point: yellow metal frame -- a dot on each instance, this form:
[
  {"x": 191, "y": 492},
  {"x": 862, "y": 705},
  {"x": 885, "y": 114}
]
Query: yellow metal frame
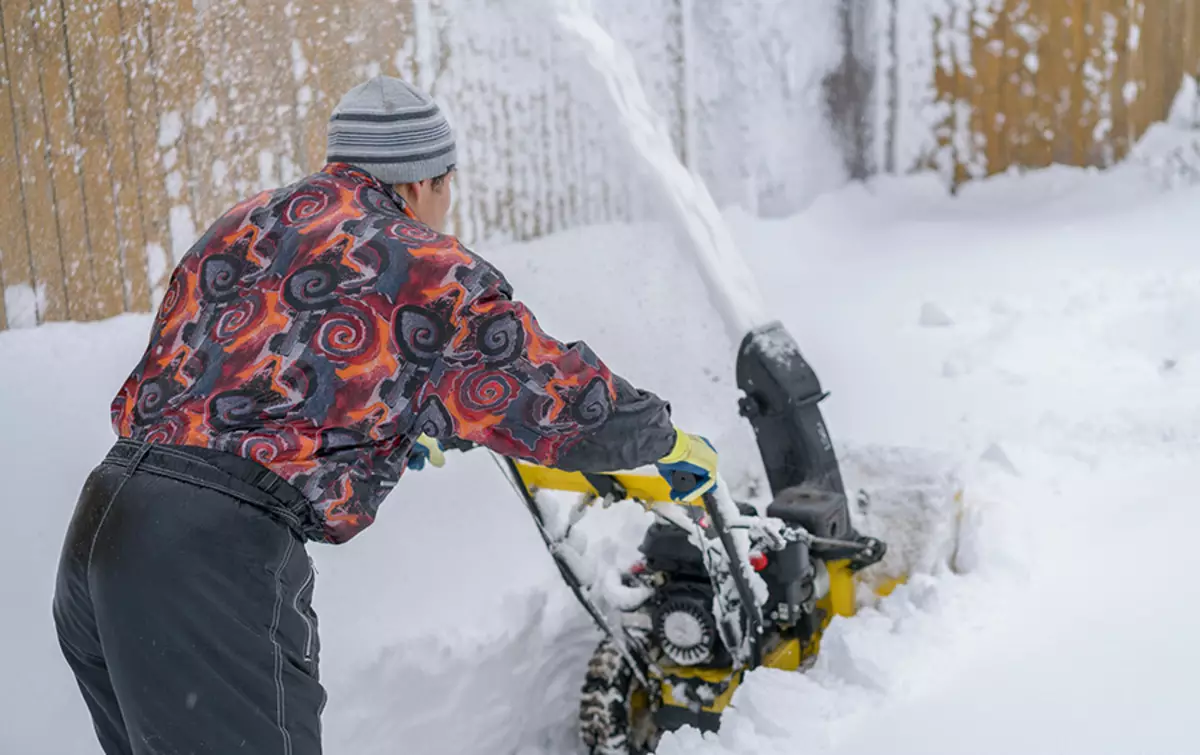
[
  {"x": 647, "y": 489},
  {"x": 787, "y": 656}
]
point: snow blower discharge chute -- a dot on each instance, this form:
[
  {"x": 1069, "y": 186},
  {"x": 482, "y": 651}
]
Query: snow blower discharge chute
[{"x": 722, "y": 589}]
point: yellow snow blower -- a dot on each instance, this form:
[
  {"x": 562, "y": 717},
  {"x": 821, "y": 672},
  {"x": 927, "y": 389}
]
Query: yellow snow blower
[{"x": 720, "y": 589}]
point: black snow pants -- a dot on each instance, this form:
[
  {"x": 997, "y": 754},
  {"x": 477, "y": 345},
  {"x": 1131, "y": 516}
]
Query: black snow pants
[{"x": 184, "y": 606}]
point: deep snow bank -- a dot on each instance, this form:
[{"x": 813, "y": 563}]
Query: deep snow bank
[
  {"x": 1061, "y": 372},
  {"x": 1057, "y": 365}
]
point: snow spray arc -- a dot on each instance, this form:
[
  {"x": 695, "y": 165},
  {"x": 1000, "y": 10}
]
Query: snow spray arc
[
  {"x": 781, "y": 389},
  {"x": 726, "y": 275},
  {"x": 699, "y": 582}
]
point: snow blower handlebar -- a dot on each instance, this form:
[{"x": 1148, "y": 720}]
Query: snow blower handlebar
[
  {"x": 773, "y": 534},
  {"x": 752, "y": 612},
  {"x": 649, "y": 490},
  {"x": 636, "y": 660}
]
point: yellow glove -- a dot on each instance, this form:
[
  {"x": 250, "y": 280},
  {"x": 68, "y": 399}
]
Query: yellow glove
[
  {"x": 694, "y": 456},
  {"x": 425, "y": 449}
]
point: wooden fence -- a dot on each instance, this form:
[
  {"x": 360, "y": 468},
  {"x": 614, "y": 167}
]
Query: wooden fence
[
  {"x": 134, "y": 123},
  {"x": 1028, "y": 83},
  {"x": 126, "y": 123}
]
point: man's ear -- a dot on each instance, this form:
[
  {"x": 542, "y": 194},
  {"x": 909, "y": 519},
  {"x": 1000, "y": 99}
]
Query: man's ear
[
  {"x": 407, "y": 191},
  {"x": 420, "y": 188}
]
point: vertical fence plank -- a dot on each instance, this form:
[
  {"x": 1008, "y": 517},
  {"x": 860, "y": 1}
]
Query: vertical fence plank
[
  {"x": 1028, "y": 108},
  {"x": 549, "y": 216},
  {"x": 1119, "y": 136},
  {"x": 1050, "y": 84},
  {"x": 1092, "y": 75},
  {"x": 1172, "y": 49},
  {"x": 942, "y": 160},
  {"x": 989, "y": 26},
  {"x": 1088, "y": 78},
  {"x": 1158, "y": 30},
  {"x": 1151, "y": 102},
  {"x": 320, "y": 74},
  {"x": 88, "y": 92},
  {"x": 384, "y": 38},
  {"x": 1113, "y": 28},
  {"x": 1178, "y": 33},
  {"x": 263, "y": 89},
  {"x": 270, "y": 89},
  {"x": 956, "y": 54},
  {"x": 212, "y": 116},
  {"x": 69, "y": 203},
  {"x": 32, "y": 144},
  {"x": 315, "y": 72},
  {"x": 1068, "y": 32},
  {"x": 15, "y": 265},
  {"x": 1134, "y": 89},
  {"x": 103, "y": 25},
  {"x": 237, "y": 77},
  {"x": 1186, "y": 43},
  {"x": 174, "y": 60},
  {"x": 1043, "y": 83},
  {"x": 1193, "y": 55},
  {"x": 145, "y": 116}
]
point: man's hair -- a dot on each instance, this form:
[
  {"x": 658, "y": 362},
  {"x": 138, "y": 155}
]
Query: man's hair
[{"x": 437, "y": 181}]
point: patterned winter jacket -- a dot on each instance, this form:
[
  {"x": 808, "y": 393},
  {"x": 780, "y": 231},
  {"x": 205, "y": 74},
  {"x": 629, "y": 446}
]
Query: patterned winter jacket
[{"x": 320, "y": 328}]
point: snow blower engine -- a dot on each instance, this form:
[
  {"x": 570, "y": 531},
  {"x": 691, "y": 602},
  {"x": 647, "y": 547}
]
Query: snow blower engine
[{"x": 720, "y": 589}]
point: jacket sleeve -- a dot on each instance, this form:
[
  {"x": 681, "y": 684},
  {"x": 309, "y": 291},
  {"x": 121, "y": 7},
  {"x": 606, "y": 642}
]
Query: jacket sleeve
[{"x": 504, "y": 383}]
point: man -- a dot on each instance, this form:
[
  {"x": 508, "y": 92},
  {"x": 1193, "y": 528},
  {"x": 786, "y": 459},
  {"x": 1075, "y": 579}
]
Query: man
[{"x": 316, "y": 341}]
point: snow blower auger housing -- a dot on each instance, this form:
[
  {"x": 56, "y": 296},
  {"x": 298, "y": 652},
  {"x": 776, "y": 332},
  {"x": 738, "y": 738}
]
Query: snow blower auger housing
[{"x": 720, "y": 589}]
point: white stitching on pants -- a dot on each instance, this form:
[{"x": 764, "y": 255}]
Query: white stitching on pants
[
  {"x": 280, "y": 705},
  {"x": 133, "y": 467},
  {"x": 309, "y": 629},
  {"x": 99, "y": 526}
]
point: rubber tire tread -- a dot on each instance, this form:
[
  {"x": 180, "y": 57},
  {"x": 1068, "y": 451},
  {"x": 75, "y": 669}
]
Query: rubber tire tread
[{"x": 605, "y": 703}]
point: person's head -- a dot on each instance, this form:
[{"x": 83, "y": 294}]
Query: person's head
[
  {"x": 397, "y": 133},
  {"x": 429, "y": 199}
]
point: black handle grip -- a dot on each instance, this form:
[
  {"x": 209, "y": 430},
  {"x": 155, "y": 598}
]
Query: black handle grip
[{"x": 456, "y": 444}]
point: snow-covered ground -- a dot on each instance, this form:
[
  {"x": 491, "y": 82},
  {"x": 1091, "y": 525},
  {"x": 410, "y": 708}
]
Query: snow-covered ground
[{"x": 1041, "y": 332}]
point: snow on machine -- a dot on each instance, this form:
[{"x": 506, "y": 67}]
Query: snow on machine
[{"x": 720, "y": 589}]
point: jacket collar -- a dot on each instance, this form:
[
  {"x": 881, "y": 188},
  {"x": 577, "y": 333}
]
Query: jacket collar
[{"x": 358, "y": 175}]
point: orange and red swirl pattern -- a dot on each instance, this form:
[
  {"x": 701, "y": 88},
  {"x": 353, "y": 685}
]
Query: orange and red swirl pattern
[{"x": 319, "y": 328}]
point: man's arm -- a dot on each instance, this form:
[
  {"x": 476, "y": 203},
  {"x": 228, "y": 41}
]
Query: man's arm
[{"x": 502, "y": 382}]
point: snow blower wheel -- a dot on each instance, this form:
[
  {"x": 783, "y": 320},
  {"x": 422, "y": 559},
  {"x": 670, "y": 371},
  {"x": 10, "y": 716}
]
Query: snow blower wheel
[{"x": 614, "y": 710}]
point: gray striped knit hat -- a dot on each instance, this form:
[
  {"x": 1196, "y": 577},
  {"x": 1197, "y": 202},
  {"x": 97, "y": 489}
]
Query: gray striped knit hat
[{"x": 392, "y": 130}]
